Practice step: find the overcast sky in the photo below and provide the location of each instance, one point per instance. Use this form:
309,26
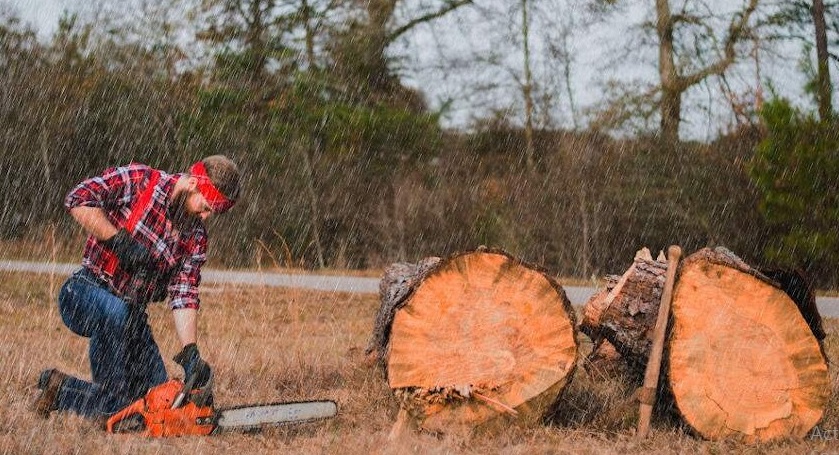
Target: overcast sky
43,14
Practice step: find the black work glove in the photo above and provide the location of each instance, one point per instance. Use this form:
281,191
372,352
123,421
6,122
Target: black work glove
132,255
194,366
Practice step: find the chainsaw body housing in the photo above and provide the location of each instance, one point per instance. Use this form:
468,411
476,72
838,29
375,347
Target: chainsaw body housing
161,420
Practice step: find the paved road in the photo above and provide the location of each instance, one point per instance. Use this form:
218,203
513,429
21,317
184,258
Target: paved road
828,306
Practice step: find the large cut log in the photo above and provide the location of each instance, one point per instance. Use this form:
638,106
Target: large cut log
477,338
743,363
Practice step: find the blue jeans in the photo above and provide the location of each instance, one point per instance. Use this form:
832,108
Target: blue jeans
124,358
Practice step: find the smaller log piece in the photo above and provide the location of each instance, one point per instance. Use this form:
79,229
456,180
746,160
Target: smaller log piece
604,361
625,314
743,363
594,308
482,339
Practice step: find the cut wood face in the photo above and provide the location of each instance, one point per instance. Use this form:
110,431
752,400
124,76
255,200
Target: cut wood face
742,361
489,322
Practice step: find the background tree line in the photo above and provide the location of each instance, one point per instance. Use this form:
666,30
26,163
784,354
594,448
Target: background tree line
348,165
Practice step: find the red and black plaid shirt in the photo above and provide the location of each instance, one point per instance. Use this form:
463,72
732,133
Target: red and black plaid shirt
178,256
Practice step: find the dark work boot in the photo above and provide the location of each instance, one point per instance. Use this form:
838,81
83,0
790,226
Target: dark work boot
50,383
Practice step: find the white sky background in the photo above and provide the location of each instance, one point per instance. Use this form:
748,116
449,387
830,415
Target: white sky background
430,56
43,14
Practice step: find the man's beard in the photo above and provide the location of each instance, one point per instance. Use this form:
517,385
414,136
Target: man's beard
177,214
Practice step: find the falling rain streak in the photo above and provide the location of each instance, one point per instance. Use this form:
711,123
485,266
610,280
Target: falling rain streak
386,131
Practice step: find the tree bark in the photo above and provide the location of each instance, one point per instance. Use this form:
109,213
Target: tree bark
671,95
625,312
314,203
527,90
673,82
306,18
824,88
478,339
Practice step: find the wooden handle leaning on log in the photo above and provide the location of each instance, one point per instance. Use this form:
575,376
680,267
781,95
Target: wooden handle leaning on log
647,393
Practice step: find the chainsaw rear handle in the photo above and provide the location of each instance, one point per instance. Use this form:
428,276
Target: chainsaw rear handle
137,407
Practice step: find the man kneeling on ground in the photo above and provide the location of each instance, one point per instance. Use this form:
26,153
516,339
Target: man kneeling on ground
147,239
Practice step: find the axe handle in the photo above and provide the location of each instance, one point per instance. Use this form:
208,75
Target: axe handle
651,374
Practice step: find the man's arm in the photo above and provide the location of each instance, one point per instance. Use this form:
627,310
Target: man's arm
183,288
196,371
94,221
186,325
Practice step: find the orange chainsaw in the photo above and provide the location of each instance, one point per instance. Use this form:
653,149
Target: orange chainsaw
172,409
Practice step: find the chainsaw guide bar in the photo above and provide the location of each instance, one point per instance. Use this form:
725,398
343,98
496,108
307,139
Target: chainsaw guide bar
254,416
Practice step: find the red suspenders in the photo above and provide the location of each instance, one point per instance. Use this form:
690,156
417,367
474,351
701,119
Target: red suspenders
137,211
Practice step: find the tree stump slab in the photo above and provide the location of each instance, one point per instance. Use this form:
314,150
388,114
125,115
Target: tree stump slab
743,363
482,337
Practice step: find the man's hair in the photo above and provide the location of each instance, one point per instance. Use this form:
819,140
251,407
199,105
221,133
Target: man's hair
224,174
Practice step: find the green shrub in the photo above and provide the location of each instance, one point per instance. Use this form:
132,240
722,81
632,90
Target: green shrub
796,171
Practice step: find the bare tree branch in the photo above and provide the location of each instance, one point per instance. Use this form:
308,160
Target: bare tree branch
450,6
736,30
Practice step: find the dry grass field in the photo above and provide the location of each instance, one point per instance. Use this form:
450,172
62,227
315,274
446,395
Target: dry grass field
272,344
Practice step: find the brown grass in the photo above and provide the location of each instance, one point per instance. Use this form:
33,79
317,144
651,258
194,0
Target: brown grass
272,344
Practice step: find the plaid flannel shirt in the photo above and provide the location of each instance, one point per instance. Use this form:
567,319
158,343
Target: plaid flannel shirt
178,256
